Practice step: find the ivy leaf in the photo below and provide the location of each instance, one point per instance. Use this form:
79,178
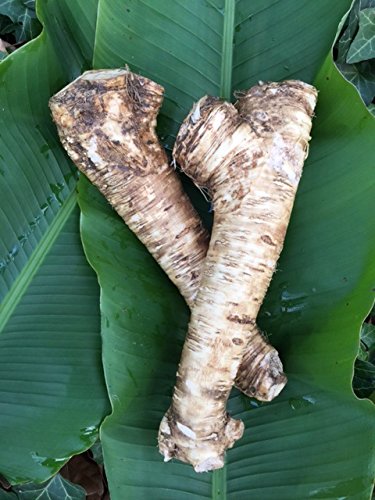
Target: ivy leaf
362,76
367,346
97,452
364,368
363,45
12,8
5,24
56,488
22,13
350,28
27,27
364,378
7,495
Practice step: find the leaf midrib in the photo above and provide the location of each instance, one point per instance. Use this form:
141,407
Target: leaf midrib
22,282
227,50
219,484
219,476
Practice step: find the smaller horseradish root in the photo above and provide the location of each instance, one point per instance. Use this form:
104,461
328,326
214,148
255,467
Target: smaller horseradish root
250,158
106,121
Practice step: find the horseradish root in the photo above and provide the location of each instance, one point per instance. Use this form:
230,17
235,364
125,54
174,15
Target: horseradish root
250,158
106,121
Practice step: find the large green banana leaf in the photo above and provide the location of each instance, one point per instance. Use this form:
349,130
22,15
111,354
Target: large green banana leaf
315,441
52,391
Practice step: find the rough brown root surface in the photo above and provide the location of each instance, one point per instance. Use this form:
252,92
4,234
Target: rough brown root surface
106,121
251,166
205,455
260,374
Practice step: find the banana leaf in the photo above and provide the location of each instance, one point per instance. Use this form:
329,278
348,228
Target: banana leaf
316,439
52,391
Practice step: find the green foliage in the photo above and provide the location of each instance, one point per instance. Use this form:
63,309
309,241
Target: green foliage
316,440
56,488
356,49
18,17
363,45
7,495
367,345
364,378
52,392
364,373
307,328
297,446
97,452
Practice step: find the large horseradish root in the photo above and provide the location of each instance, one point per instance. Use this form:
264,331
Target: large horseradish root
106,121
250,157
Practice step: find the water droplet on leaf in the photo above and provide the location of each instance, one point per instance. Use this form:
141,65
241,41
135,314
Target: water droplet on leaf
301,402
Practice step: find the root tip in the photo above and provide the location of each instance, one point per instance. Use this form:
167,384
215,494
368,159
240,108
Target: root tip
209,464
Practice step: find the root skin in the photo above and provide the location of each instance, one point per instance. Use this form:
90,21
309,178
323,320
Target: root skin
250,157
106,121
